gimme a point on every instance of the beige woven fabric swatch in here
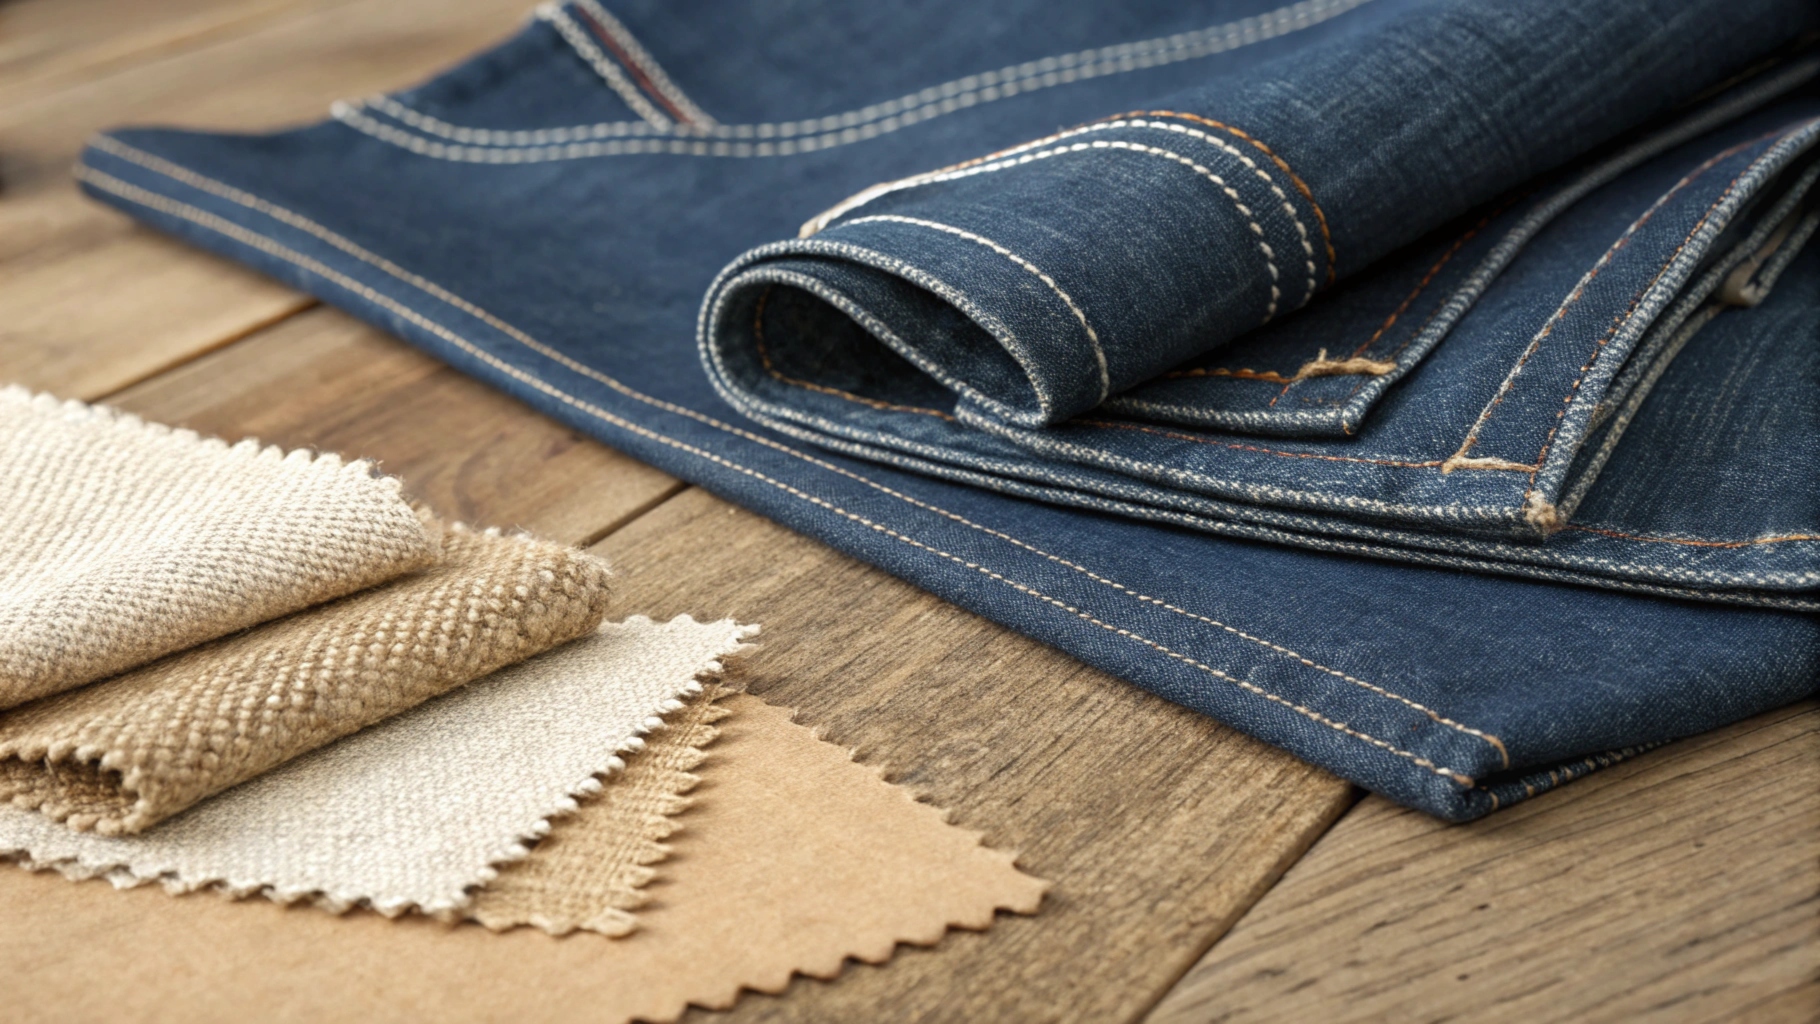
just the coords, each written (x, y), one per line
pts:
(122, 541)
(790, 859)
(415, 812)
(588, 873)
(127, 752)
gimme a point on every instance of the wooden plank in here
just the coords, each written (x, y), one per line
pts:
(324, 380)
(1682, 886)
(48, 43)
(89, 302)
(1158, 825)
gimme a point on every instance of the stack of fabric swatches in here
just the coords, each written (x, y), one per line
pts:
(233, 668)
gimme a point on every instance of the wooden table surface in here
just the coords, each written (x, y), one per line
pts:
(1200, 875)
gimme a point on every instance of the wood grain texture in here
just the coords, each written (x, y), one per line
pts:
(1682, 886)
(1157, 825)
(92, 303)
(48, 43)
(324, 380)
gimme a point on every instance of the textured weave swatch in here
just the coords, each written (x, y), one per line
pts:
(127, 752)
(790, 859)
(589, 872)
(416, 811)
(121, 540)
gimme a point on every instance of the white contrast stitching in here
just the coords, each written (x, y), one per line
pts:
(1092, 336)
(135, 194)
(958, 94)
(1238, 201)
(822, 220)
(602, 65)
(647, 64)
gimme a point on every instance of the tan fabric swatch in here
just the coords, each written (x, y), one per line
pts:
(790, 859)
(127, 752)
(588, 872)
(122, 541)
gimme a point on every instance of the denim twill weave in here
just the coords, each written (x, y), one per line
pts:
(1207, 342)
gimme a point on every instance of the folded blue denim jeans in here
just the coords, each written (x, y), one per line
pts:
(1425, 387)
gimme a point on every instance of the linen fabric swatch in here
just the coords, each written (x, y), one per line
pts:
(127, 752)
(122, 541)
(416, 811)
(791, 858)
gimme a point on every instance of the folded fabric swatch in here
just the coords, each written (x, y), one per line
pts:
(416, 811)
(589, 871)
(127, 752)
(122, 541)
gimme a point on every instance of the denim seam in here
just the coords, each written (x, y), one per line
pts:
(826, 220)
(645, 68)
(934, 101)
(1460, 460)
(272, 247)
(585, 48)
(1093, 338)
(1320, 216)
(1354, 539)
(1600, 346)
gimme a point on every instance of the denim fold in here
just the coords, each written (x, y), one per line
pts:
(1407, 383)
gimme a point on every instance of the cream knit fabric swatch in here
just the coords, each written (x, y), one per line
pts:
(589, 872)
(121, 540)
(127, 752)
(416, 811)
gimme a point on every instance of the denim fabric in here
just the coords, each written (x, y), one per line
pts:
(549, 215)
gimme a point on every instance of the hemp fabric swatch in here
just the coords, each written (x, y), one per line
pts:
(125, 753)
(416, 811)
(791, 858)
(122, 541)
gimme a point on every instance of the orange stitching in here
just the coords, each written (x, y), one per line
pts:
(1253, 448)
(1697, 542)
(1301, 186)
(764, 357)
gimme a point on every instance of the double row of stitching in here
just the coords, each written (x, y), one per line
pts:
(934, 101)
(643, 67)
(609, 70)
(1238, 201)
(263, 243)
(1460, 459)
